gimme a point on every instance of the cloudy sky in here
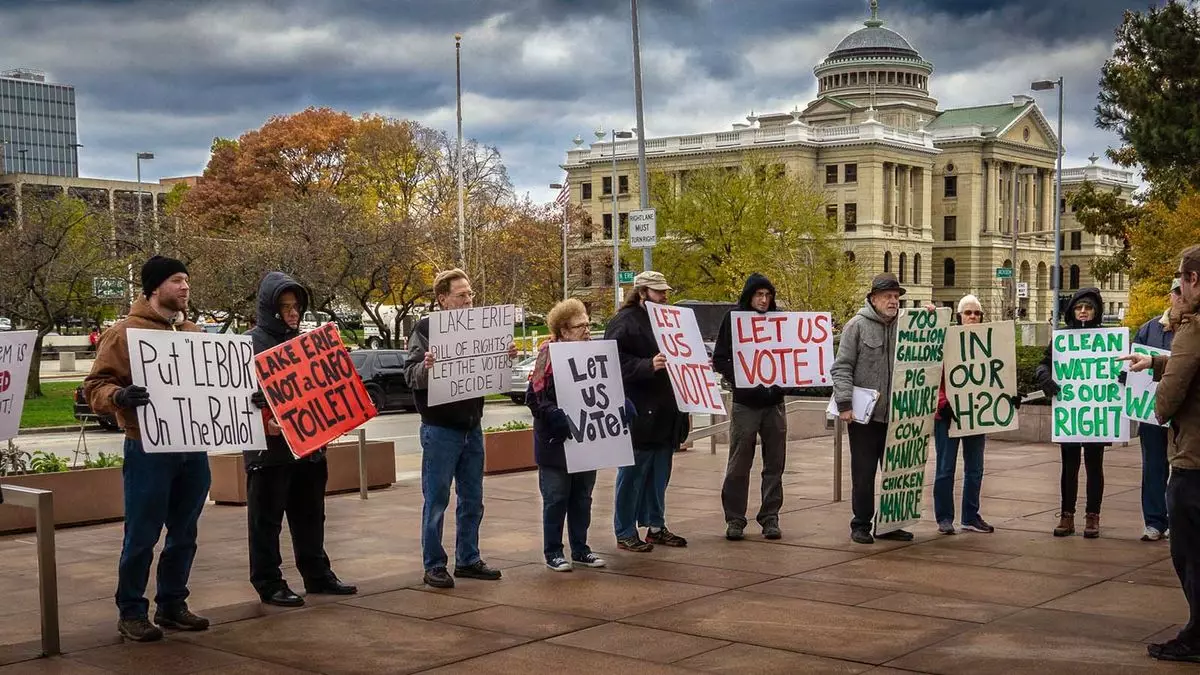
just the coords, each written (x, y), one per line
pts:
(168, 75)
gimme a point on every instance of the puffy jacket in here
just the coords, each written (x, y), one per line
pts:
(757, 396)
(1045, 370)
(865, 358)
(659, 425)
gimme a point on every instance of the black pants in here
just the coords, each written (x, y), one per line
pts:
(867, 442)
(747, 424)
(1093, 458)
(1183, 509)
(298, 490)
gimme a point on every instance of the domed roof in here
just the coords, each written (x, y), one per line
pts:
(873, 40)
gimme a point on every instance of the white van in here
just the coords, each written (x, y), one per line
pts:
(314, 320)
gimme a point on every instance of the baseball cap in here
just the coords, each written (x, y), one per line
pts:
(655, 281)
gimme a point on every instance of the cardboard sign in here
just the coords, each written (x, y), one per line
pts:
(688, 364)
(16, 351)
(471, 350)
(1090, 408)
(781, 349)
(587, 382)
(916, 378)
(313, 389)
(1140, 389)
(981, 375)
(200, 386)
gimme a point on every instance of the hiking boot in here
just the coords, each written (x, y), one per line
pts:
(1151, 533)
(979, 525)
(180, 618)
(946, 527)
(588, 560)
(1066, 525)
(1091, 527)
(772, 531)
(438, 577)
(1173, 650)
(634, 544)
(896, 535)
(861, 536)
(735, 532)
(558, 564)
(479, 570)
(139, 630)
(666, 538)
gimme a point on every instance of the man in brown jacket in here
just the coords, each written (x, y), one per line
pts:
(161, 489)
(1178, 400)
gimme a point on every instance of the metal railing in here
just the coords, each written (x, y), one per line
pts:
(42, 503)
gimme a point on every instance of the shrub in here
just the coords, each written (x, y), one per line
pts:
(48, 462)
(104, 461)
(512, 425)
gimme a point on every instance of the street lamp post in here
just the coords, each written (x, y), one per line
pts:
(1056, 275)
(1017, 173)
(643, 188)
(462, 256)
(140, 157)
(616, 222)
(560, 186)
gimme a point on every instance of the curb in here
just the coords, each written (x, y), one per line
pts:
(33, 431)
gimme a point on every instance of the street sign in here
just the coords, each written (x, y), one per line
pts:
(625, 276)
(1004, 272)
(1022, 289)
(643, 228)
(520, 314)
(108, 288)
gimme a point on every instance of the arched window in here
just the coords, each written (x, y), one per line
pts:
(887, 261)
(1043, 278)
(1074, 277)
(850, 256)
(903, 266)
(948, 272)
(1025, 271)
(917, 268)
(1121, 281)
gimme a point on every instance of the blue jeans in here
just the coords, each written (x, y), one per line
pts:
(1154, 476)
(642, 492)
(161, 489)
(947, 462)
(565, 495)
(451, 455)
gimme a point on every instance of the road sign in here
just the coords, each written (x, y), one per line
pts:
(520, 315)
(643, 228)
(108, 288)
(625, 276)
(1022, 289)
(1004, 272)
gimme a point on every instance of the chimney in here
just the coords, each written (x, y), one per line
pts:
(1021, 100)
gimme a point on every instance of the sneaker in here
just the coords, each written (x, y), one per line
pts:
(1173, 650)
(666, 538)
(438, 577)
(588, 560)
(139, 630)
(896, 535)
(979, 525)
(558, 564)
(180, 618)
(735, 532)
(1152, 534)
(634, 544)
(479, 570)
(861, 536)
(946, 527)
(772, 531)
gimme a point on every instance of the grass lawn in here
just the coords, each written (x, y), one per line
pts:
(55, 408)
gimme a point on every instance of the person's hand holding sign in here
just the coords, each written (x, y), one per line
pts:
(659, 362)
(429, 359)
(847, 415)
(1137, 362)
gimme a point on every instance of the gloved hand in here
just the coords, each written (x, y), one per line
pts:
(559, 425)
(259, 400)
(1121, 376)
(132, 396)
(947, 412)
(1015, 401)
(1050, 388)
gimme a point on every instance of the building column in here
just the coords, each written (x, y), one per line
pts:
(1049, 203)
(1031, 218)
(984, 196)
(905, 184)
(888, 180)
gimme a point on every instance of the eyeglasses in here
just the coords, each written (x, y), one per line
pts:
(578, 326)
(465, 295)
(972, 312)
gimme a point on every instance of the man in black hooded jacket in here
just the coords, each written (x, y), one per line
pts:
(757, 412)
(276, 482)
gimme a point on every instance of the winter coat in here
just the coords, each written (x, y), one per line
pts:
(464, 415)
(865, 358)
(659, 425)
(1045, 370)
(1178, 395)
(757, 396)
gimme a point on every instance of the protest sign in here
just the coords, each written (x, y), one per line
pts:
(1140, 388)
(16, 350)
(587, 382)
(688, 364)
(200, 386)
(981, 378)
(782, 349)
(313, 389)
(916, 378)
(1090, 405)
(470, 347)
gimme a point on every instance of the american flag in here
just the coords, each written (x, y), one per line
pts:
(564, 195)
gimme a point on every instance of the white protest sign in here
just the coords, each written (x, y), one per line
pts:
(688, 365)
(587, 382)
(16, 351)
(470, 348)
(1140, 388)
(200, 386)
(916, 378)
(981, 376)
(781, 349)
(1090, 406)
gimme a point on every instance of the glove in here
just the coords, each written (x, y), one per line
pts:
(132, 396)
(1050, 388)
(1121, 376)
(629, 409)
(1015, 401)
(947, 412)
(259, 400)
(559, 425)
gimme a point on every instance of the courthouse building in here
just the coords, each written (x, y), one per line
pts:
(931, 195)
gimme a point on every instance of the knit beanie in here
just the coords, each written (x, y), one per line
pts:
(157, 270)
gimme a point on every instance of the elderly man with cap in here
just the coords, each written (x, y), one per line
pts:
(161, 489)
(864, 359)
(658, 427)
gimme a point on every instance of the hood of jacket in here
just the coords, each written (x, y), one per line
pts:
(1092, 295)
(273, 285)
(754, 282)
(869, 312)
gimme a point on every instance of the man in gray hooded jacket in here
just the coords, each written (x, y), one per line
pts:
(865, 359)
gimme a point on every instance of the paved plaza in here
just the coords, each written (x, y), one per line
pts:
(1015, 601)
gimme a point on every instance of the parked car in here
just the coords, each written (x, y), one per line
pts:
(382, 372)
(83, 413)
(5, 323)
(520, 379)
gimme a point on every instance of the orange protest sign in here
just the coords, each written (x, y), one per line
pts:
(313, 389)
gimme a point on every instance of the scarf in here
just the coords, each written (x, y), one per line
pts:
(541, 367)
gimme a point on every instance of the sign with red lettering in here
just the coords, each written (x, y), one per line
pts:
(688, 364)
(782, 349)
(313, 389)
(16, 352)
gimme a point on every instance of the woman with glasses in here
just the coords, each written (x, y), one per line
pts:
(564, 495)
(970, 311)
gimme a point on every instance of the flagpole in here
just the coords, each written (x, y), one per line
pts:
(462, 258)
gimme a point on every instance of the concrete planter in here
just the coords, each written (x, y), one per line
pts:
(505, 451)
(81, 497)
(229, 471)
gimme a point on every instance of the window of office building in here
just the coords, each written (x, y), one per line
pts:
(851, 217)
(831, 174)
(950, 186)
(1076, 241)
(851, 173)
(950, 228)
(585, 191)
(623, 185)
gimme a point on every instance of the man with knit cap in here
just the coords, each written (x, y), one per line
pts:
(161, 489)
